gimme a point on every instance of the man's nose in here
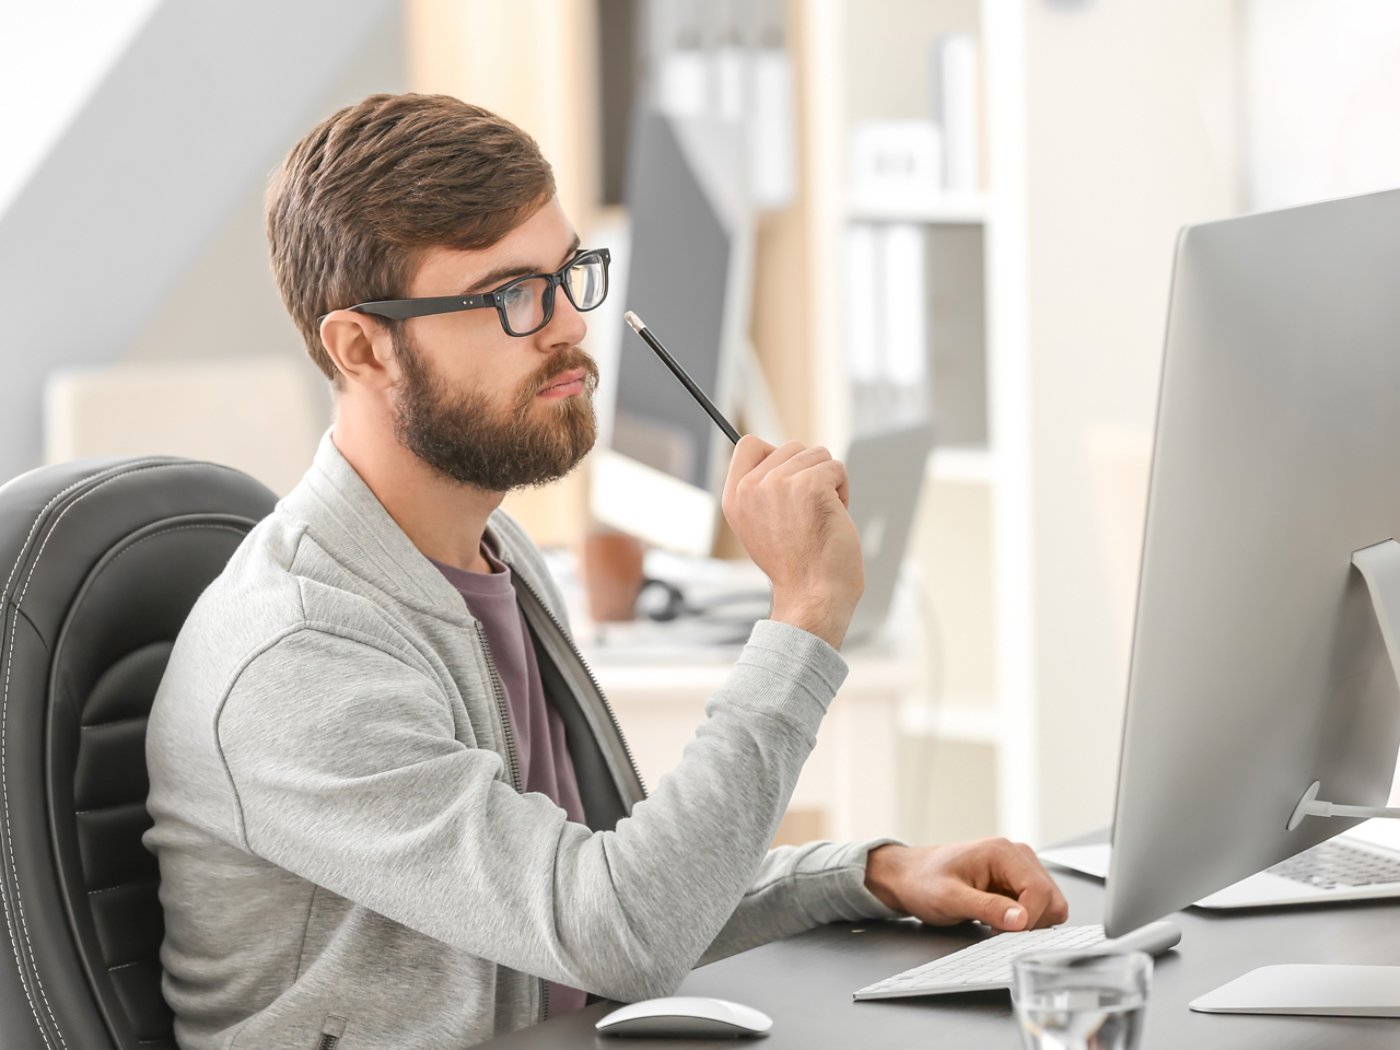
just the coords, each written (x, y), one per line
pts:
(566, 327)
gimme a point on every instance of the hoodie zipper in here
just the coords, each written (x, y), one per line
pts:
(607, 707)
(597, 689)
(331, 1031)
(510, 736)
(512, 758)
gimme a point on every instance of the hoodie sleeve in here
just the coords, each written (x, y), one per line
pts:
(346, 770)
(799, 888)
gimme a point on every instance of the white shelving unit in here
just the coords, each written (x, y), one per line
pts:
(976, 497)
(1093, 154)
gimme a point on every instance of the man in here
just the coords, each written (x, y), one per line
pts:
(391, 807)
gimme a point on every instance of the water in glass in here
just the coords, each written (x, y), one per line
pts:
(1082, 1019)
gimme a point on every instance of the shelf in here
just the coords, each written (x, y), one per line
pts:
(962, 210)
(862, 63)
(967, 723)
(962, 465)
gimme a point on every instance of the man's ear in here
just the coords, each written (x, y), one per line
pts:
(360, 347)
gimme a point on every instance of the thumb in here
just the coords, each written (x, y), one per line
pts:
(998, 912)
(748, 453)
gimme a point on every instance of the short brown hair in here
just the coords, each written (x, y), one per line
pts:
(368, 189)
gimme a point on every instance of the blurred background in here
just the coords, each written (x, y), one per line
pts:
(961, 211)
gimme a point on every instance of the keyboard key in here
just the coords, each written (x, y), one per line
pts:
(1334, 864)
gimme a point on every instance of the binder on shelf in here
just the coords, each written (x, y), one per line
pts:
(953, 96)
(772, 130)
(905, 288)
(683, 82)
(731, 75)
(747, 85)
(886, 333)
(863, 337)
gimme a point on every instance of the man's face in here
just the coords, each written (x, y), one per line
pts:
(487, 409)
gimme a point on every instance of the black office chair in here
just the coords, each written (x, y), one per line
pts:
(100, 562)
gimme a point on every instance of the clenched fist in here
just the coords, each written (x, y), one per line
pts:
(787, 506)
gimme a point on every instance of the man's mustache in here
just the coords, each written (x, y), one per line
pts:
(564, 361)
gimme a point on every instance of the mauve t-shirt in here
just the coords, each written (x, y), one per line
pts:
(540, 744)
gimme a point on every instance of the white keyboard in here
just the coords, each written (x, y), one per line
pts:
(1334, 864)
(1360, 865)
(986, 965)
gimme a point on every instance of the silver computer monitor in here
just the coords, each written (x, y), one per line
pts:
(660, 464)
(1259, 665)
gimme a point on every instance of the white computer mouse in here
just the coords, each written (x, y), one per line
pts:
(687, 1016)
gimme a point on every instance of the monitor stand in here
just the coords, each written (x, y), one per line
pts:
(1330, 990)
(1309, 990)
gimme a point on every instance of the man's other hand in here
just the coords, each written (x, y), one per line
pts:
(1000, 883)
(787, 505)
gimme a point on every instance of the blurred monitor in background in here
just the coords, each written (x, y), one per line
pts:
(660, 462)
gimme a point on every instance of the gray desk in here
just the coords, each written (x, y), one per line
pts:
(805, 985)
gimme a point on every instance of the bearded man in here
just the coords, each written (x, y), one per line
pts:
(391, 806)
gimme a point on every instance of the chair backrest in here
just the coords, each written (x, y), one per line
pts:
(100, 563)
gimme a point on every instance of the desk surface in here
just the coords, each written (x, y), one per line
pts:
(805, 984)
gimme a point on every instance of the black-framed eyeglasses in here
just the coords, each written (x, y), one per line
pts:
(524, 305)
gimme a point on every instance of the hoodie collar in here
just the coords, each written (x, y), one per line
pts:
(344, 514)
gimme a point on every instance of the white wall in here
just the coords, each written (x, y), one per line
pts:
(52, 56)
(1132, 120)
(1323, 83)
(226, 305)
(181, 125)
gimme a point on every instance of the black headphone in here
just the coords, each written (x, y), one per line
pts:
(662, 601)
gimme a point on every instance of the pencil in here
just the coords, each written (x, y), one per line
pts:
(638, 326)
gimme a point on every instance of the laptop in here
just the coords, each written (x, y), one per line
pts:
(1362, 863)
(720, 602)
(886, 469)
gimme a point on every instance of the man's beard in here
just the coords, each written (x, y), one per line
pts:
(464, 437)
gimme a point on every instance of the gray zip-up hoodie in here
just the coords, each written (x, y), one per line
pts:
(346, 860)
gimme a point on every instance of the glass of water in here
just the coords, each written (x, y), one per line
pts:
(1081, 1002)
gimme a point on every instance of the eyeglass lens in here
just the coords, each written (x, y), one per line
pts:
(529, 303)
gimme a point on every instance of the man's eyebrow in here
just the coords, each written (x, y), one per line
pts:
(509, 271)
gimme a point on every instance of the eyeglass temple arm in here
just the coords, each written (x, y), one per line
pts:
(400, 309)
